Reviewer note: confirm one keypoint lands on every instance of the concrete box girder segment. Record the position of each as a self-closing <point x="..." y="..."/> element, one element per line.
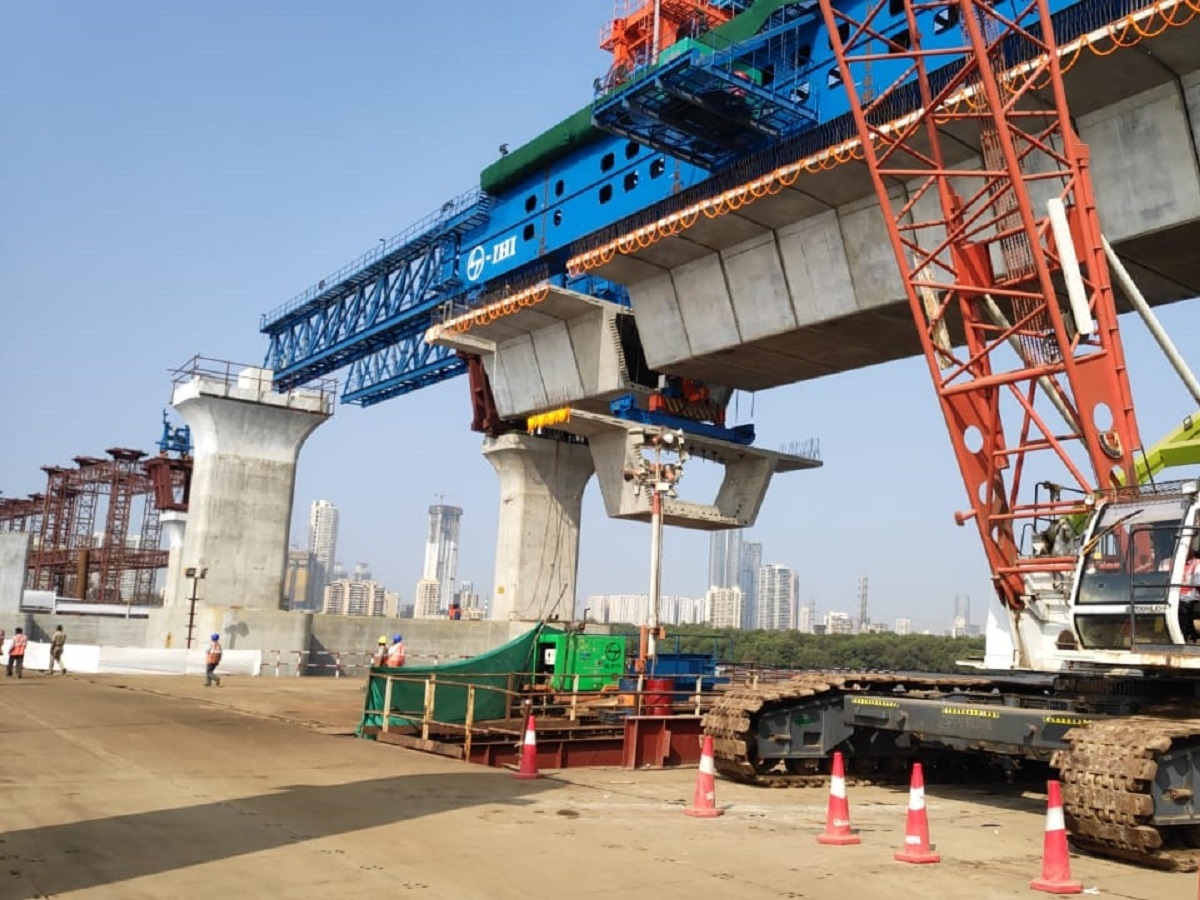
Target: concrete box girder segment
<point x="247" y="439"/>
<point x="615" y="444"/>
<point x="815" y="289"/>
<point x="562" y="349"/>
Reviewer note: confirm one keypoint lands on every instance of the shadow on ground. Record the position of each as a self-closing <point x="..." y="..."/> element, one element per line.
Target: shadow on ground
<point x="59" y="858"/>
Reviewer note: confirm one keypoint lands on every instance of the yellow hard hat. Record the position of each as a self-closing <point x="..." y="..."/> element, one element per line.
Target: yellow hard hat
<point x="383" y="639"/>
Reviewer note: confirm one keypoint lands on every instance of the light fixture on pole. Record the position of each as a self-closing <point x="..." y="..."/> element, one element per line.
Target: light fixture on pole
<point x="657" y="478"/>
<point x="196" y="574"/>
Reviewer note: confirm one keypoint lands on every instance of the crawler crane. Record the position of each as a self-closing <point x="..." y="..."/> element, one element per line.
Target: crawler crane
<point x="1095" y="563"/>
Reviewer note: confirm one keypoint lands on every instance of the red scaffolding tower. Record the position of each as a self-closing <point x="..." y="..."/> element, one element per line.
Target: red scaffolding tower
<point x="125" y="492"/>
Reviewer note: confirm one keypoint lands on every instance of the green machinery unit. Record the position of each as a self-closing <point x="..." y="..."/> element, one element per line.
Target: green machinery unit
<point x="598" y="660"/>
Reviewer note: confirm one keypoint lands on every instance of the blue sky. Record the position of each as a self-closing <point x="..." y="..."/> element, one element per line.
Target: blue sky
<point x="169" y="171"/>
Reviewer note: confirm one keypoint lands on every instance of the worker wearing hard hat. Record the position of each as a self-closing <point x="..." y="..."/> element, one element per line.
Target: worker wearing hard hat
<point x="395" y="657"/>
<point x="212" y="659"/>
<point x="379" y="657"/>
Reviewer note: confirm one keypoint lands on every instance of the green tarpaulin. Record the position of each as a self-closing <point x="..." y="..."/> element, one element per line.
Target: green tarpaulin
<point x="488" y="670"/>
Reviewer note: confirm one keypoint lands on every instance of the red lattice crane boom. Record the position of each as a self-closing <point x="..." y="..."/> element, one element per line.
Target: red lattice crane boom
<point x="1003" y="265"/>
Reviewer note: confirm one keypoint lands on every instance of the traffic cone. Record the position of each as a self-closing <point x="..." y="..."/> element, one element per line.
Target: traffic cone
<point x="529" y="768"/>
<point x="704" y="805"/>
<point x="916" y="828"/>
<point x="1056" y="863"/>
<point x="837" y="816"/>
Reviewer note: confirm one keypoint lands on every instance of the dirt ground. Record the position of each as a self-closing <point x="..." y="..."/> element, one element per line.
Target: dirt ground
<point x="131" y="787"/>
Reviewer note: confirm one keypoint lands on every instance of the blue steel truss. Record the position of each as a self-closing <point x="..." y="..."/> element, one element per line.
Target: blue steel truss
<point x="381" y="299"/>
<point x="400" y="368"/>
<point x="412" y="364"/>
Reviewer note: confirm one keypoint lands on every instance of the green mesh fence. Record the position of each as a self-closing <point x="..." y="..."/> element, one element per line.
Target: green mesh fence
<point x="489" y="669"/>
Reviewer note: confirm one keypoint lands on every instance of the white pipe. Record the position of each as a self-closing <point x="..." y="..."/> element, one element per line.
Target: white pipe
<point x="1160" y="334"/>
<point x="657" y="28"/>
<point x="1084" y="323"/>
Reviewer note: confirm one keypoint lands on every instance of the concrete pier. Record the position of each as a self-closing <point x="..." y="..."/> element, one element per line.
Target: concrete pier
<point x="537" y="544"/>
<point x="247" y="439"/>
<point x="174" y="524"/>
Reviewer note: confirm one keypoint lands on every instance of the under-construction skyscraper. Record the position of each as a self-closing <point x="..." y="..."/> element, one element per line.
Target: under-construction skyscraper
<point x="441" y="556"/>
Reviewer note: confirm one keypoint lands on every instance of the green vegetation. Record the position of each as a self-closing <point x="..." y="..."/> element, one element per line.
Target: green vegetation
<point x="793" y="650"/>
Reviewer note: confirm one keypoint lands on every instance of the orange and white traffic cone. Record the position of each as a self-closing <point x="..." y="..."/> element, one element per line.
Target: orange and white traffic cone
<point x="704" y="805"/>
<point x="529" y="768"/>
<point x="837" y="816"/>
<point x="916" y="827"/>
<point x="1056" y="862"/>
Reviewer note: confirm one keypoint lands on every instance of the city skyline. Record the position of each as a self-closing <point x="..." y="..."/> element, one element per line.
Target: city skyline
<point x="729" y="552"/>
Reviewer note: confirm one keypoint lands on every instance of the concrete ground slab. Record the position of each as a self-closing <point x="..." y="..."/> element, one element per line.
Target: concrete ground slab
<point x="114" y="792"/>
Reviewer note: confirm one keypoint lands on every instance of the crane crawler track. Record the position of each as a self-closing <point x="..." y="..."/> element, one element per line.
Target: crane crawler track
<point x="731" y="719"/>
<point x="1107" y="774"/>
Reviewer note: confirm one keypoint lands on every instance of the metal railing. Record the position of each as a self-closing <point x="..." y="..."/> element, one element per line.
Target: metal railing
<point x="339" y="663"/>
<point x="571" y="704"/>
<point x="232" y="375"/>
<point x="428" y="223"/>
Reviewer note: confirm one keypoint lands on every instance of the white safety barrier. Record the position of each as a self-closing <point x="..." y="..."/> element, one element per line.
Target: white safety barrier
<point x="338" y="663"/>
<point x="97" y="660"/>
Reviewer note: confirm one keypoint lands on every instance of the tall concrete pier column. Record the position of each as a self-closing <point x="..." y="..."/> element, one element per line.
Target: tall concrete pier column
<point x="537" y="547"/>
<point x="174" y="524"/>
<point x="247" y="439"/>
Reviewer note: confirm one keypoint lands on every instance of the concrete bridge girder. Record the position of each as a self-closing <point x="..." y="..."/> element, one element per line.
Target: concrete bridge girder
<point x="563" y="351"/>
<point x="748" y="471"/>
<point x="804" y="283"/>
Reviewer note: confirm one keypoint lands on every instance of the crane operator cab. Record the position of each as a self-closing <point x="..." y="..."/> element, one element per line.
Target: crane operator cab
<point x="1138" y="574"/>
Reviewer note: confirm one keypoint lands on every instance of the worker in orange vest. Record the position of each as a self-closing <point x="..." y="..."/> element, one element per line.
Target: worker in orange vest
<point x="395" y="657"/>
<point x="379" y="657"/>
<point x="211" y="661"/>
<point x="16" y="654"/>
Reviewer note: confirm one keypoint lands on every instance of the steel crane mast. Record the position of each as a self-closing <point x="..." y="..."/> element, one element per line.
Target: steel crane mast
<point x="981" y="255"/>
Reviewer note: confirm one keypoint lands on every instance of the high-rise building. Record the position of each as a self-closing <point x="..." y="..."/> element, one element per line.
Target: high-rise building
<point x="749" y="565"/>
<point x="724" y="607"/>
<point x="428" y="599"/>
<point x="634" y="609"/>
<point x="725" y="558"/>
<point x="347" y="597"/>
<point x="776" y="597"/>
<point x="298" y="582"/>
<point x="960" y="626"/>
<point x="804" y="619"/>
<point x="469" y="602"/>
<point x="322" y="543"/>
<point x="838" y="623"/>
<point x="441" y="556"/>
<point x="903" y="626"/>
